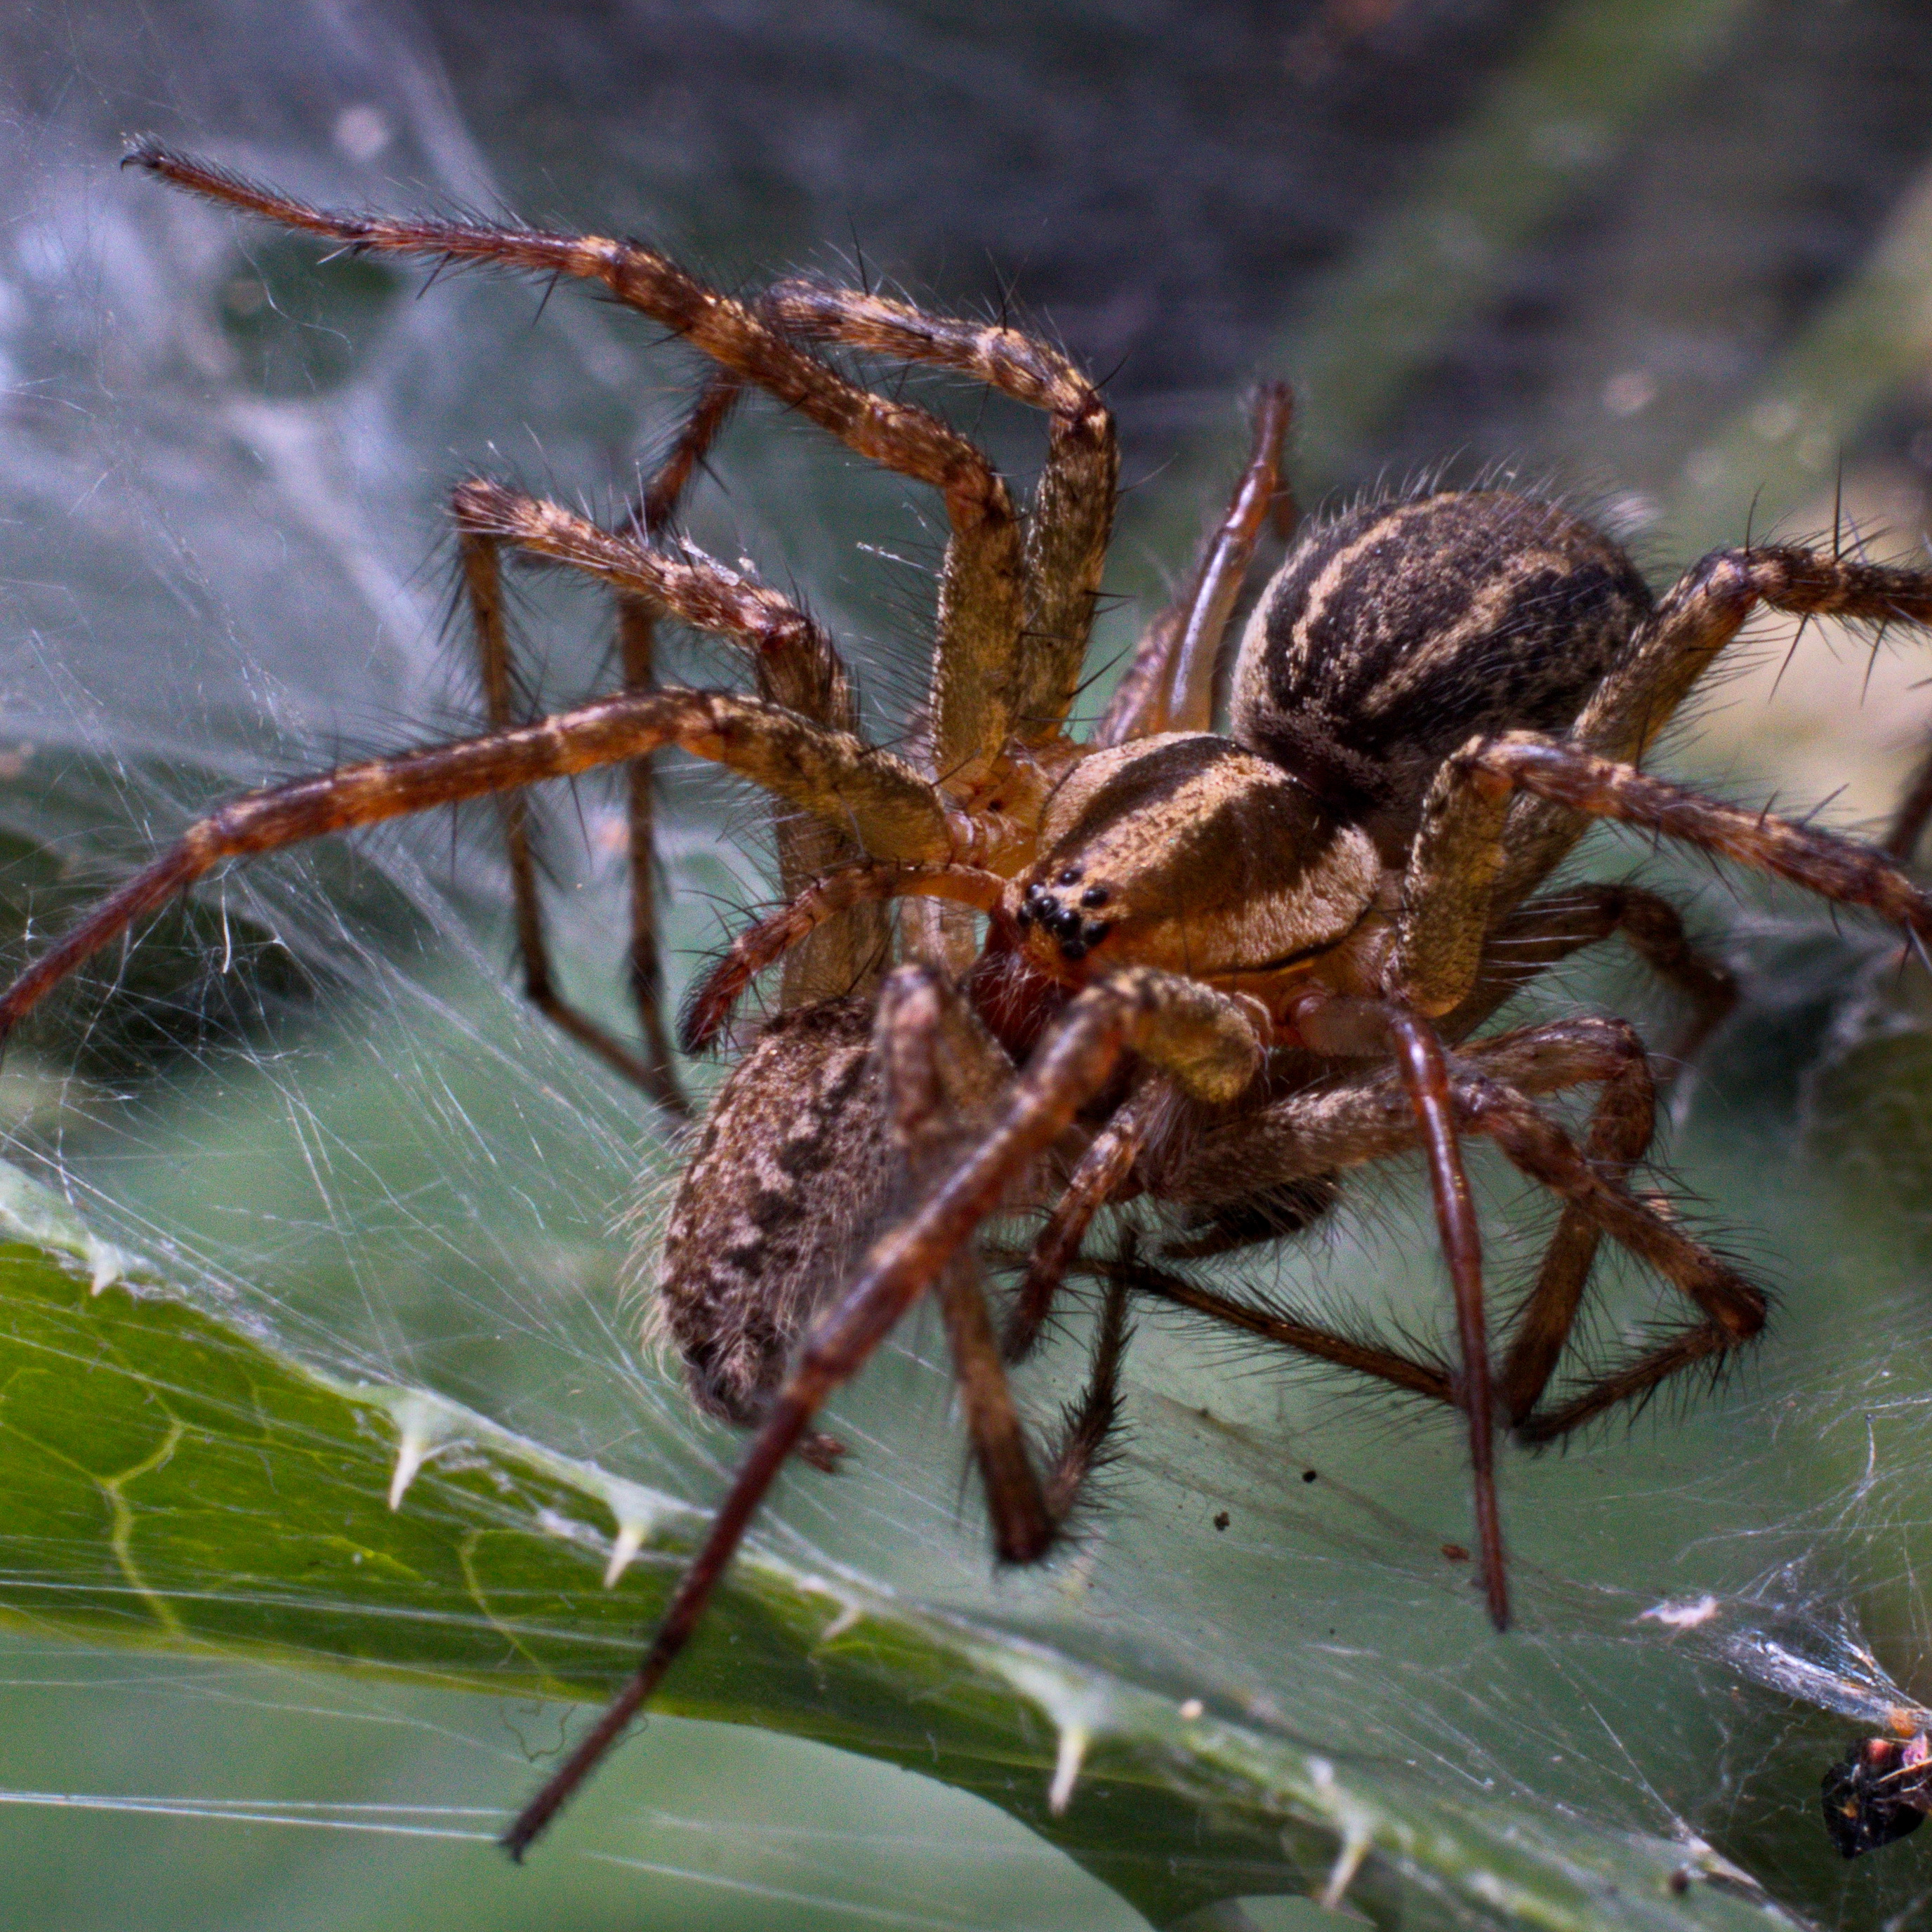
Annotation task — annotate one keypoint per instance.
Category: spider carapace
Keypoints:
(1216, 974)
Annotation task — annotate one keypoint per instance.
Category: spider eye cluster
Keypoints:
(1060, 917)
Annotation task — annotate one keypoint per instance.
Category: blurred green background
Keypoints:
(1675, 259)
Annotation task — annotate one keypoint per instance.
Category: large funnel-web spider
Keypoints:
(1217, 970)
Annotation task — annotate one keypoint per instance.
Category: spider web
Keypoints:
(222, 562)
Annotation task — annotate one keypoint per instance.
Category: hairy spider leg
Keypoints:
(1437, 961)
(795, 664)
(637, 659)
(1284, 1327)
(1199, 660)
(1089, 1420)
(657, 503)
(839, 960)
(1358, 1119)
(890, 806)
(944, 1074)
(773, 938)
(1460, 853)
(1914, 808)
(1621, 1125)
(1693, 621)
(483, 589)
(1103, 1171)
(1474, 792)
(1071, 518)
(794, 659)
(1176, 665)
(1203, 1038)
(1542, 933)
(1367, 1118)
(1424, 1070)
(1029, 1510)
(1734, 1310)
(980, 613)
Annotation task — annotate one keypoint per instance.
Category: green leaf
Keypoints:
(175, 1478)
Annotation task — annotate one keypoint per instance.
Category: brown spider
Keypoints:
(1216, 971)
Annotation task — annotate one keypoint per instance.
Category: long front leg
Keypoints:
(980, 592)
(894, 811)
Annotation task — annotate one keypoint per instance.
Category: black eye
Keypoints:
(1094, 896)
(1071, 877)
(1093, 933)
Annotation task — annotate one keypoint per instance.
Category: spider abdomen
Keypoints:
(789, 1175)
(1394, 633)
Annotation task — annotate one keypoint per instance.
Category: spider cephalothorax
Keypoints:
(1216, 972)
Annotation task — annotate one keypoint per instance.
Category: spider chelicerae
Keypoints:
(1216, 971)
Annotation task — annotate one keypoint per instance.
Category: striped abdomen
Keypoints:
(1395, 633)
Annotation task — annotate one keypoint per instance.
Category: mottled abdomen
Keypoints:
(1395, 633)
(789, 1176)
